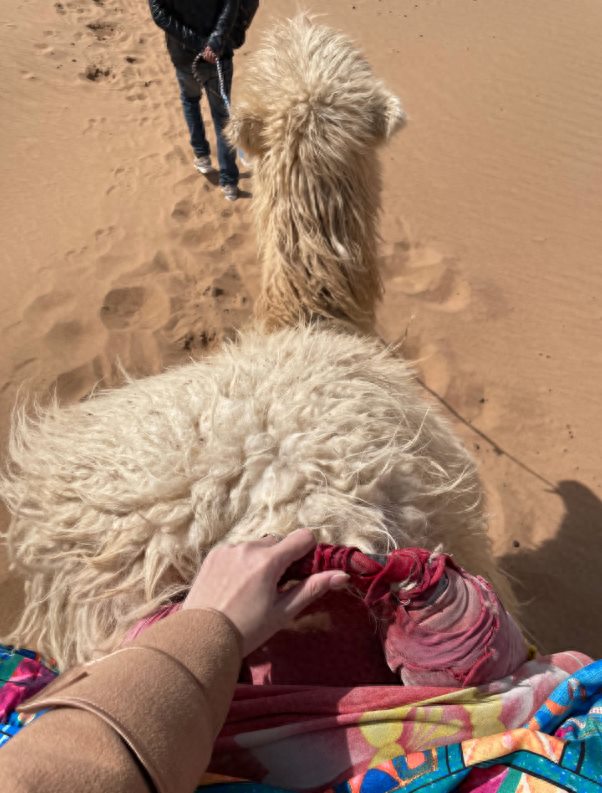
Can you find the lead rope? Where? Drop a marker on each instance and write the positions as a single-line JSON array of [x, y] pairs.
[[222, 87], [220, 78]]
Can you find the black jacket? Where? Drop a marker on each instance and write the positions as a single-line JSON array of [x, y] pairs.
[[246, 11], [191, 25]]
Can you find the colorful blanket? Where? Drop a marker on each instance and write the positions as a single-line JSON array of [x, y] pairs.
[[22, 674], [538, 730]]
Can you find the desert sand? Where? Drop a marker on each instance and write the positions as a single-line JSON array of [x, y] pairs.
[[117, 255]]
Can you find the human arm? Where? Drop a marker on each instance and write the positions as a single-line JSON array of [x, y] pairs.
[[225, 22], [145, 717], [142, 719], [164, 17]]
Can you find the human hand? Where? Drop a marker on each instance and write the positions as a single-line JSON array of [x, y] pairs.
[[241, 582], [209, 55]]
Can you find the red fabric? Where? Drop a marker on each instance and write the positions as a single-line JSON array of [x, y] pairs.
[[371, 577], [336, 642], [412, 615]]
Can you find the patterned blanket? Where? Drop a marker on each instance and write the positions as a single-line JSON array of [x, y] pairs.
[[536, 731]]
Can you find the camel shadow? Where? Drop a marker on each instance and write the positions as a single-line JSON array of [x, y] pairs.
[[560, 583]]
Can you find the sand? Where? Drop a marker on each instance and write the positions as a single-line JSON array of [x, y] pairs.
[[116, 253]]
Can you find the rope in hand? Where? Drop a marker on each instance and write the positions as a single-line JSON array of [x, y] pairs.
[[220, 78]]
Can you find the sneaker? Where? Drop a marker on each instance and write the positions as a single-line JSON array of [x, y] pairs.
[[203, 164], [230, 191]]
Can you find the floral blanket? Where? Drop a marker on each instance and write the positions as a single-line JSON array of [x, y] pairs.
[[536, 731]]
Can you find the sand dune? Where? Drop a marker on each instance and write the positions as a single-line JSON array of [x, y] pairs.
[[115, 253]]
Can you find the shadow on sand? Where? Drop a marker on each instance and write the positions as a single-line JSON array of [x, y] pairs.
[[560, 583]]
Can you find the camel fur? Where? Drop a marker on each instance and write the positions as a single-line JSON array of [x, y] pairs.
[[305, 420], [311, 116]]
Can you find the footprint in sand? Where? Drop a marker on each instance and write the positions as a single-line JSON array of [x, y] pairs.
[[433, 361], [102, 234], [77, 383], [393, 258], [177, 154], [450, 379], [121, 306], [96, 73], [134, 306], [466, 392], [433, 278], [102, 31], [67, 337], [235, 240], [47, 308], [194, 238], [182, 210], [211, 311], [157, 266], [201, 235]]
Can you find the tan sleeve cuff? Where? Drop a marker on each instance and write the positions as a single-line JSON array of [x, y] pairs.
[[166, 694]]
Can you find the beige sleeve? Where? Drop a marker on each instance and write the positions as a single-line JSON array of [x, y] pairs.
[[143, 718]]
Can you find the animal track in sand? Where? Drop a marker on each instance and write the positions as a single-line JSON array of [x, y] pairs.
[[127, 306], [393, 258], [101, 30], [44, 308], [211, 311], [433, 278], [194, 238], [199, 235], [105, 233], [77, 383], [93, 124], [66, 337], [177, 154], [121, 306], [234, 240], [182, 210], [158, 265], [96, 73], [434, 362], [466, 392], [99, 22]]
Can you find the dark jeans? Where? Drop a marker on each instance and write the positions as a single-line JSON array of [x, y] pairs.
[[190, 95]]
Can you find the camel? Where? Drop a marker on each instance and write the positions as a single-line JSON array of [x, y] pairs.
[[307, 419]]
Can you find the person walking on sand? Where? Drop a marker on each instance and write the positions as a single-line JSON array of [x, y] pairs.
[[203, 26]]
